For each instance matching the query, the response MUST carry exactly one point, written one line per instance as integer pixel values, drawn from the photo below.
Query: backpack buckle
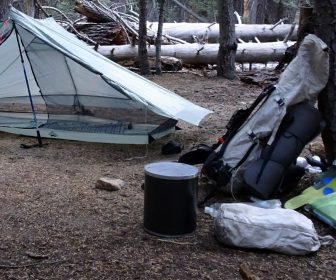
(280, 101)
(252, 136)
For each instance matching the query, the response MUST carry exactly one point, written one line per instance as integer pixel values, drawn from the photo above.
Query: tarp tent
(76, 93)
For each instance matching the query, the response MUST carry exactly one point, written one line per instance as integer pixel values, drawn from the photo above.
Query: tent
(55, 85)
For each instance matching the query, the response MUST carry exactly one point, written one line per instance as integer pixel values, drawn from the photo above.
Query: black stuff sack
(171, 148)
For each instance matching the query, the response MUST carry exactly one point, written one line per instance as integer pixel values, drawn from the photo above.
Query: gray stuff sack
(281, 230)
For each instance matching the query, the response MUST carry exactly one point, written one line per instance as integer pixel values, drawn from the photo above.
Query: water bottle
(213, 210)
(302, 162)
(313, 169)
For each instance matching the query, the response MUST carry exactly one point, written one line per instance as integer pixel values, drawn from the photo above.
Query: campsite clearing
(55, 224)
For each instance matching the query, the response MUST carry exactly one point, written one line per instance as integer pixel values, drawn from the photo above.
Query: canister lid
(171, 170)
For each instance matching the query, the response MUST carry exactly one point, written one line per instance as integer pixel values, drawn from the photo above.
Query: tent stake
(39, 139)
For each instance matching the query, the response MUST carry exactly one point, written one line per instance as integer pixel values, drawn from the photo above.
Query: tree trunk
(272, 11)
(202, 54)
(257, 11)
(158, 39)
(152, 10)
(325, 24)
(277, 10)
(246, 32)
(181, 14)
(287, 10)
(26, 6)
(38, 5)
(306, 25)
(227, 40)
(238, 6)
(29, 7)
(4, 6)
(189, 11)
(142, 52)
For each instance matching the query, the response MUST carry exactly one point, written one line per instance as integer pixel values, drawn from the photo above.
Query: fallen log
(209, 32)
(91, 11)
(95, 10)
(167, 63)
(201, 54)
(110, 33)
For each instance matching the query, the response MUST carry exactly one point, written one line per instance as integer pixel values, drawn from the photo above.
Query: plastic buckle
(252, 136)
(280, 101)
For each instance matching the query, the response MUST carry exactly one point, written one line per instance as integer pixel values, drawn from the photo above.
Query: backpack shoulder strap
(234, 124)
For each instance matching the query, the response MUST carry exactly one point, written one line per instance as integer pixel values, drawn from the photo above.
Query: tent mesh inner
(46, 86)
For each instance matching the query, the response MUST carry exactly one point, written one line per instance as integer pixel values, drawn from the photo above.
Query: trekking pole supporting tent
(39, 139)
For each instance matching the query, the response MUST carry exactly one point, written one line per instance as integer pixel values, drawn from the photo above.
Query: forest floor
(54, 223)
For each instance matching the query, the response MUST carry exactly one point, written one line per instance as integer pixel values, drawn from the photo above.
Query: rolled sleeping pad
(301, 124)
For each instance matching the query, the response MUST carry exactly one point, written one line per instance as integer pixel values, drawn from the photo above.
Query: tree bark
(26, 6)
(142, 51)
(257, 11)
(227, 40)
(277, 10)
(158, 39)
(110, 33)
(239, 7)
(287, 10)
(152, 8)
(325, 28)
(189, 11)
(39, 11)
(4, 6)
(29, 7)
(306, 25)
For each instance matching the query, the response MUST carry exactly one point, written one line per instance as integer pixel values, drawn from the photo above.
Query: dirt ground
(54, 223)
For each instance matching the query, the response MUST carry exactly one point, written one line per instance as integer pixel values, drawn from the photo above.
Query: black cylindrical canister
(170, 198)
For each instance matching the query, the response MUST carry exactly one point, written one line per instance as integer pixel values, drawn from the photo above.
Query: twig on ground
(176, 242)
(3, 266)
(36, 256)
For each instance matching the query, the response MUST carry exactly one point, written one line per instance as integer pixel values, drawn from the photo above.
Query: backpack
(262, 142)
